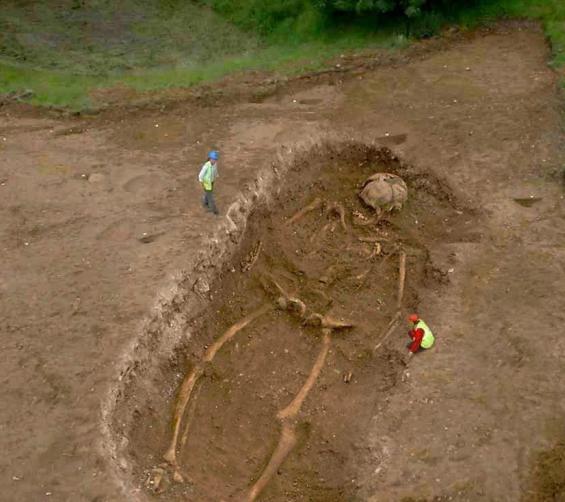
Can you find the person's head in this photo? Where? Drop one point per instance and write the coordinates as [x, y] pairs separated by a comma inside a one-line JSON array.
[[213, 156], [414, 318]]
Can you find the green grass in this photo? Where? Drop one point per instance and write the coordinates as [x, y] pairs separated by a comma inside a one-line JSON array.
[[64, 89], [64, 54], [551, 13], [106, 37], [59, 77]]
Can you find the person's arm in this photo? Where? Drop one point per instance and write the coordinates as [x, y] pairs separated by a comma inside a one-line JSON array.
[[202, 173], [417, 335]]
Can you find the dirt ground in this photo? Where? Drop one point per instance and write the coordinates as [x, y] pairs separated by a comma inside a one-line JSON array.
[[346, 270], [104, 245]]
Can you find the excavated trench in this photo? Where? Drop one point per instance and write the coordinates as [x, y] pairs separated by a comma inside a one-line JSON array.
[[342, 265]]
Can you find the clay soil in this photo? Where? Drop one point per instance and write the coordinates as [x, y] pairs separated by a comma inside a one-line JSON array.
[[115, 281]]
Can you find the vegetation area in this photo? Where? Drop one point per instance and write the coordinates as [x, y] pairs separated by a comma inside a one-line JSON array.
[[63, 50]]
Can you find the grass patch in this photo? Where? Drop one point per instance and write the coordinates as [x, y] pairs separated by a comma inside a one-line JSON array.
[[105, 37], [63, 51], [49, 88], [60, 85]]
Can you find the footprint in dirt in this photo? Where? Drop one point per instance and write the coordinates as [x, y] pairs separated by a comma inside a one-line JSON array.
[[121, 230], [147, 184]]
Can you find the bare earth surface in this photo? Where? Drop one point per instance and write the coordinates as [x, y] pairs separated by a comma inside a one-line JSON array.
[[100, 215]]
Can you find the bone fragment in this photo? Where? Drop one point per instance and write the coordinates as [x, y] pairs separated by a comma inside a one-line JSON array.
[[367, 223], [338, 209], [319, 320], [377, 248], [157, 480], [297, 306], [254, 256], [272, 287], [316, 203], [320, 233], [363, 276]]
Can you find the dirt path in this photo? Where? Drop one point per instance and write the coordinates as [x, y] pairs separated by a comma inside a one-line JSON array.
[[98, 216]]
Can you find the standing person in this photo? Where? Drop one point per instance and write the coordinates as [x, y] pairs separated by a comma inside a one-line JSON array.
[[207, 177], [421, 335]]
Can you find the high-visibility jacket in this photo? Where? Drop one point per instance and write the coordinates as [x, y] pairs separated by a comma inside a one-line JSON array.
[[428, 339], [208, 175]]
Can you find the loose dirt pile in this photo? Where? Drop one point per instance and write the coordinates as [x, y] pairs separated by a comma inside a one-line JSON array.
[[319, 244]]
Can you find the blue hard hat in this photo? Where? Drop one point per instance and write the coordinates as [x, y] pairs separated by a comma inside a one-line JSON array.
[[214, 155]]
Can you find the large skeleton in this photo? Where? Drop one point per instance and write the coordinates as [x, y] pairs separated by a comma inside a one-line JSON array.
[[286, 417]]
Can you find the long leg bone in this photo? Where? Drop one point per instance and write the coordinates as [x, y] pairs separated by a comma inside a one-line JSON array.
[[285, 445], [287, 415], [191, 379], [189, 415], [401, 279], [294, 407]]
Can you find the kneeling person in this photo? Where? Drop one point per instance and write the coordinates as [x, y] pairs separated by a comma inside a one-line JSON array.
[[421, 335]]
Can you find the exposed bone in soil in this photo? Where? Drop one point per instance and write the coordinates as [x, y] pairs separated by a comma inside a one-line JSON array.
[[192, 378], [288, 438], [243, 416]]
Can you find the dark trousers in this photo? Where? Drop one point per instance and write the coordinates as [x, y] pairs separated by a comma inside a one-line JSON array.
[[208, 201]]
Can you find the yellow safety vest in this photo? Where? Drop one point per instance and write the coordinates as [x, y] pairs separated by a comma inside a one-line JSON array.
[[207, 177], [428, 339]]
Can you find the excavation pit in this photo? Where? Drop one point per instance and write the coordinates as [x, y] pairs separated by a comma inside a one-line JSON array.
[[340, 260]]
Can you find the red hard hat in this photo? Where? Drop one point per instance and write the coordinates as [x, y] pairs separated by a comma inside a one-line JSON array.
[[414, 318]]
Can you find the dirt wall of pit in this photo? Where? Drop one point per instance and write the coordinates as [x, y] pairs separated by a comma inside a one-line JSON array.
[[163, 335], [154, 366]]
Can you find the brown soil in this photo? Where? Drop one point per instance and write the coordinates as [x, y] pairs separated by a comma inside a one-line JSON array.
[[107, 258], [233, 428], [548, 478]]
